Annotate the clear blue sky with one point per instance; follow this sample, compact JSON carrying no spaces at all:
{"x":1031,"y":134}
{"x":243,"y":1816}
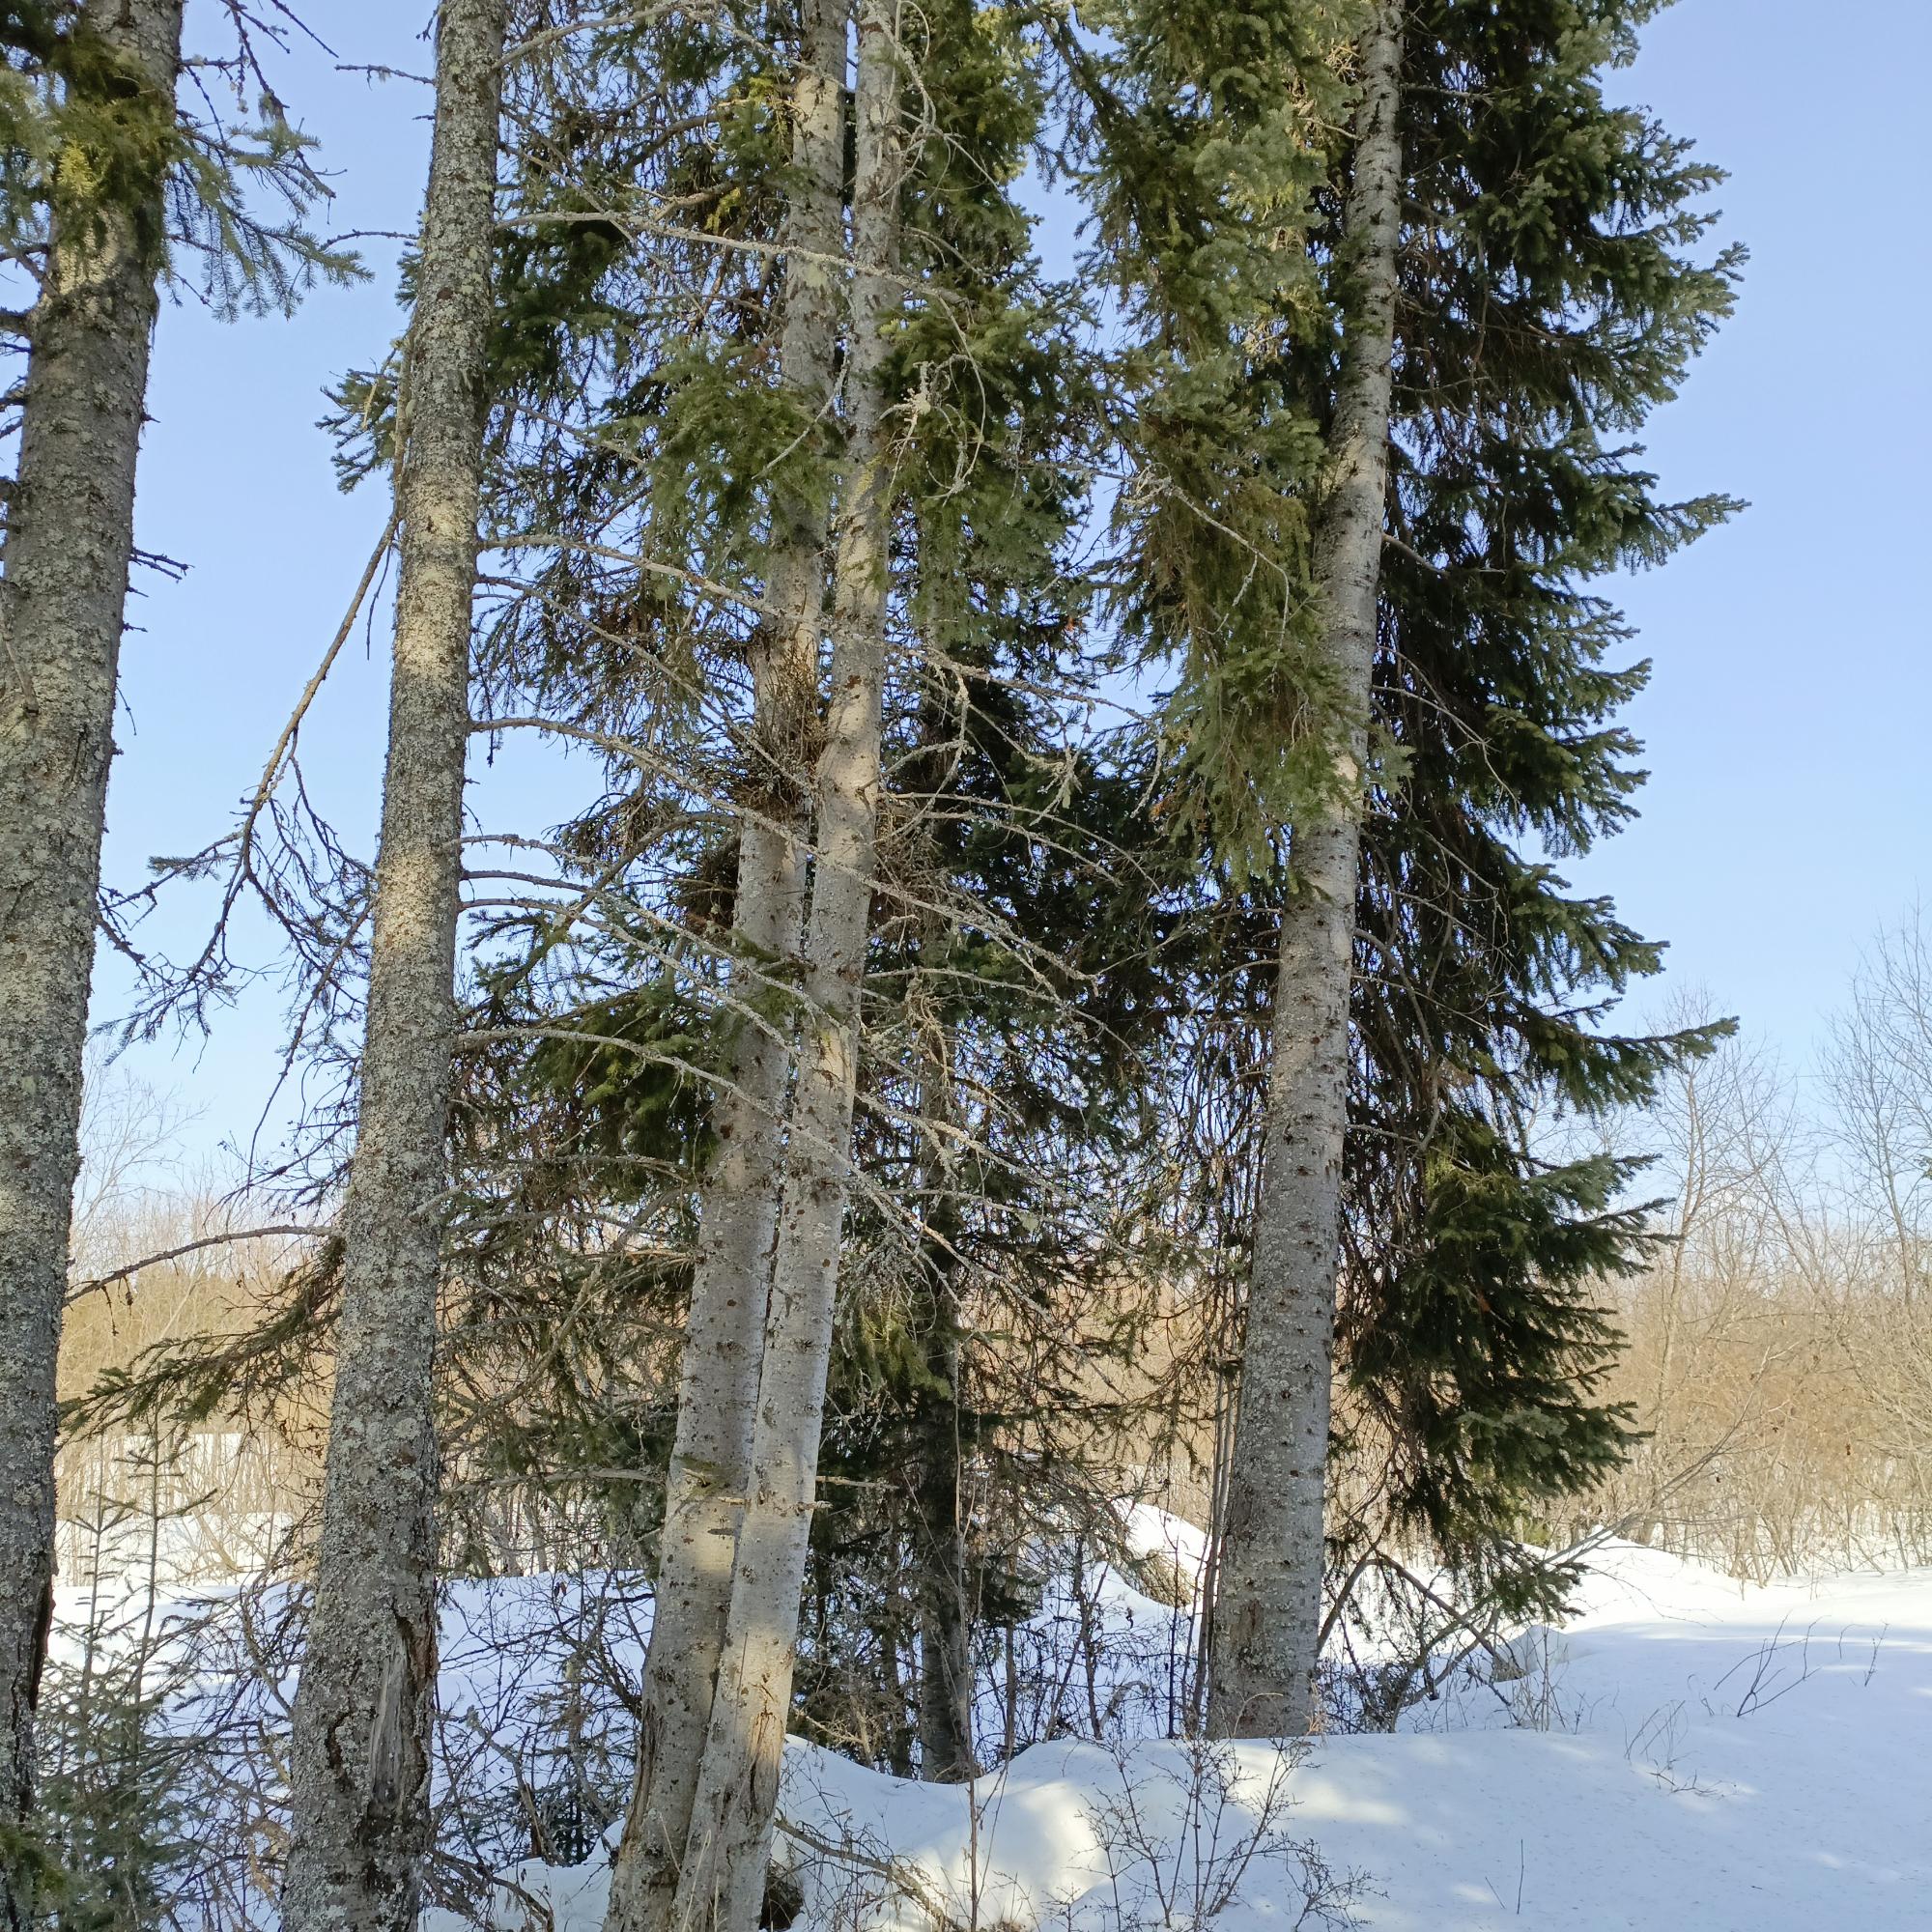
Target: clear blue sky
{"x":1790,"y":806}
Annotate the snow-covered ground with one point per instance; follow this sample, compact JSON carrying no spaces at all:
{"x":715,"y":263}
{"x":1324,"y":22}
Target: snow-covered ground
{"x":1686,"y":1754}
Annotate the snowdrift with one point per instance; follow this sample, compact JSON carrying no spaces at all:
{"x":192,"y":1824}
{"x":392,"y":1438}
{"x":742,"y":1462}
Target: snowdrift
{"x":1684,"y":1753}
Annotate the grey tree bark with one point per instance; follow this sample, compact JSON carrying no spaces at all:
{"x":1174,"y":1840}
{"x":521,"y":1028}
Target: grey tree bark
{"x":360,"y":1764}
{"x":728,"y":1845}
{"x":68,"y":543}
{"x":945,"y":1612}
{"x":1268,"y":1610}
{"x":940,"y":1553}
{"x":723,"y":1343}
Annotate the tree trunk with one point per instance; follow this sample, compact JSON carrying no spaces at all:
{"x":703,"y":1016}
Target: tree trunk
{"x":729,"y":1841}
{"x":724,"y":1344}
{"x":940,"y":1553}
{"x":945,"y":1614}
{"x":359,"y":1766}
{"x":70,"y":540}
{"x":1267,"y":1615}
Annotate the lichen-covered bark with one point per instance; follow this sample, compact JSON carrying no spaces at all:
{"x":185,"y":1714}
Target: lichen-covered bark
{"x":359,"y":1767}
{"x":728,"y":1844}
{"x":70,"y":540}
{"x":723,"y":1341}
{"x":1268,"y":1610}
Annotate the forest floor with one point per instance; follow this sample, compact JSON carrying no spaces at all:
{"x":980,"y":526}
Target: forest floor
{"x":1685,"y":1754}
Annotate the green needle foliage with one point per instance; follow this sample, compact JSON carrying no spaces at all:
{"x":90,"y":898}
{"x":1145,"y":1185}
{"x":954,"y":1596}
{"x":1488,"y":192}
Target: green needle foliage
{"x":80,"y":134}
{"x":1555,"y":284}
{"x":1198,"y":136}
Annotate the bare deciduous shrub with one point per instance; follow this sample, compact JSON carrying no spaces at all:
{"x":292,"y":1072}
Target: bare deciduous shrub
{"x":1193,"y":1829}
{"x":1779,"y":1355}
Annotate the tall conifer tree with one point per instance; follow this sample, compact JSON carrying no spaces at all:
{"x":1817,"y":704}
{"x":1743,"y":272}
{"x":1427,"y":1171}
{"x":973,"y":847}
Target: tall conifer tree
{"x":1268,"y":1612}
{"x":69,"y":543}
{"x":1554,"y":290}
{"x":992,"y":864}
{"x":102,"y":172}
{"x":1549,"y":296}
{"x":722,"y":1878}
{"x":711,"y":1469}
{"x":360,"y":1763}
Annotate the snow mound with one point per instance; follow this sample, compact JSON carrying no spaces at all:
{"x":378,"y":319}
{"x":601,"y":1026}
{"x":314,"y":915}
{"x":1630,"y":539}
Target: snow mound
{"x":1686,"y":1753}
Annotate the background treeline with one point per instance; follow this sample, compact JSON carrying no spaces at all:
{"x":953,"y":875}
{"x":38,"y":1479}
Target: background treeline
{"x":1775,"y":1356}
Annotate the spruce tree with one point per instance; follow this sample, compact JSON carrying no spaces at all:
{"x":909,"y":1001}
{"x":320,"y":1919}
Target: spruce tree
{"x":70,"y":544}
{"x":1555,"y":286}
{"x":1551,"y":292}
{"x":1202,"y":143}
{"x":710,"y":1470}
{"x":1195,"y":138}
{"x":988,"y":1054}
{"x":998,"y":1062}
{"x":721,"y":1881}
